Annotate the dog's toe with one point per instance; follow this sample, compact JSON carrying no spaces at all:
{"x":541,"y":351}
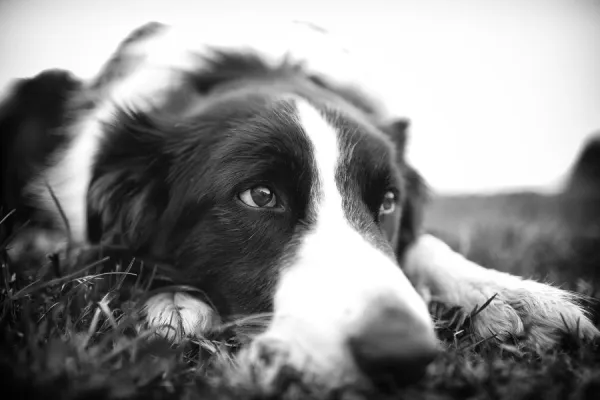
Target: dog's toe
{"x":540,"y":314}
{"x":497,"y":319}
{"x":175,"y":316}
{"x":551,"y":313}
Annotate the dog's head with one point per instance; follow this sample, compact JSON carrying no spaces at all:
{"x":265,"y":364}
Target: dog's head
{"x":267,"y":186}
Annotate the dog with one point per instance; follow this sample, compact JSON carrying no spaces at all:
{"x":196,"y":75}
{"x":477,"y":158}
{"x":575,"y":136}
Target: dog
{"x":273,"y":184}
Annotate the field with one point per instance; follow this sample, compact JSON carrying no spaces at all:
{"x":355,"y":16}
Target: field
{"x":70,"y":334}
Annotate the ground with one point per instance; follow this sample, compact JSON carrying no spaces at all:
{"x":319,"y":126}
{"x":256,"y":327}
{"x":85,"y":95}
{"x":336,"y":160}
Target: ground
{"x":69,"y":332}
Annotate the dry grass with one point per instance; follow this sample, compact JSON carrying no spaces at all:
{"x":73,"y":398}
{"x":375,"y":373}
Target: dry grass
{"x":69,"y":327}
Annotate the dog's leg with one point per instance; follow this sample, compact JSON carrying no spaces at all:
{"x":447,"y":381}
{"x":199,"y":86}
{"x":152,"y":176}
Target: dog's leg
{"x":545,"y":312}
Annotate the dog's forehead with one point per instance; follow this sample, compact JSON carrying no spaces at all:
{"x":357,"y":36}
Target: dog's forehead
{"x":269,"y":112}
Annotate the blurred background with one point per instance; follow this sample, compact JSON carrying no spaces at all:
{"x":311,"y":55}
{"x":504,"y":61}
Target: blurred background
{"x":501,"y":93}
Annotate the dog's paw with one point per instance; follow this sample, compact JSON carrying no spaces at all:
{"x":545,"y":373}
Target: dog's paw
{"x":499,"y":305}
{"x":539,"y":313}
{"x":177,"y":315}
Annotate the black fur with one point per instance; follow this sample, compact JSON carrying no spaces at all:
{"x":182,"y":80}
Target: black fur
{"x":167,"y":184}
{"x":170,"y":188}
{"x":415,"y":189}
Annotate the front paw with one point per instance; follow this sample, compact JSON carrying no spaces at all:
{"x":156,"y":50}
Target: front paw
{"x":543,"y":314}
{"x":538,"y":315}
{"x":496,"y":304}
{"x":177,"y":315}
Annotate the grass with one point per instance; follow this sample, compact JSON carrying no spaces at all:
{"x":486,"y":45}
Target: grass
{"x":69,"y":324}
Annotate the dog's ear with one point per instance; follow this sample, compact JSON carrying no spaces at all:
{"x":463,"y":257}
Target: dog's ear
{"x":125,"y":59}
{"x":397,"y":131}
{"x":413,"y":208}
{"x":128,"y":191}
{"x":415,"y":187}
{"x":30,"y":112}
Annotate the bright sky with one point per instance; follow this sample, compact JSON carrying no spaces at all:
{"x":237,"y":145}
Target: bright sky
{"x":501,"y":93}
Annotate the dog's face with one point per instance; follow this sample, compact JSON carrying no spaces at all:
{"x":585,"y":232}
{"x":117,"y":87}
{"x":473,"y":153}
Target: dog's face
{"x":269,"y":192}
{"x":231,"y":190}
{"x":271,"y":200}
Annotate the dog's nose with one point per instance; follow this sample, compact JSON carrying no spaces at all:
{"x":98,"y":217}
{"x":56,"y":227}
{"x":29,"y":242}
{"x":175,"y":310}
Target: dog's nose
{"x":392,"y":343}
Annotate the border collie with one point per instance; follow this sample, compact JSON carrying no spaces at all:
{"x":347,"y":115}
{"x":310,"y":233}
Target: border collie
{"x":270,"y":183}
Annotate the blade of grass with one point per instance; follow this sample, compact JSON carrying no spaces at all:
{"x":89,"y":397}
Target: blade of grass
{"x":32,"y":286}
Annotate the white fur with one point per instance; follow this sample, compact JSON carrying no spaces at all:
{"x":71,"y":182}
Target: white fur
{"x":338,"y":279}
{"x":179,"y":315}
{"x":443,"y":275}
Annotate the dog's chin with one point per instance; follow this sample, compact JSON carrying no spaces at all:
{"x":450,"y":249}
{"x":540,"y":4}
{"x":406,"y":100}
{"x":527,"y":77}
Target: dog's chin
{"x":274,"y":366}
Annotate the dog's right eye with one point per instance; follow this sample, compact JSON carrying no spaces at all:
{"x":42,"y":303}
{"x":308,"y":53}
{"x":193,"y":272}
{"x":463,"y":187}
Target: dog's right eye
{"x":259,"y":197}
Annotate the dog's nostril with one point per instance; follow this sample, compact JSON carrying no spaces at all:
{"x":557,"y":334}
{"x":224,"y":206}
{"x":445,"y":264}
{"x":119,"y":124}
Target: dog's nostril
{"x":394,"y":345}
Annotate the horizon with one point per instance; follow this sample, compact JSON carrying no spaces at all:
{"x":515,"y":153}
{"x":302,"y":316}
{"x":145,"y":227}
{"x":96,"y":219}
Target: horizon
{"x":523,"y":73}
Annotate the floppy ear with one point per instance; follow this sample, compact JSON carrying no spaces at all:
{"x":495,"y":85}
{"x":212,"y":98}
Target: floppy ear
{"x":30,"y":114}
{"x":128,"y":190}
{"x":397,"y":130}
{"x":413,"y":209}
{"x":416,"y":191}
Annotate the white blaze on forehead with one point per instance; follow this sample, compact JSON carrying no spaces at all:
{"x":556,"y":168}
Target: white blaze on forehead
{"x":325,"y":146}
{"x":338,"y":277}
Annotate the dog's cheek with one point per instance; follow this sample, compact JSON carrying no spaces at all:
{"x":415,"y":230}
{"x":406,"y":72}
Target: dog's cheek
{"x":234,"y":258}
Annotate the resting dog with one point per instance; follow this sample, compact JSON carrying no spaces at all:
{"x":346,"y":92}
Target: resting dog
{"x":271,"y":184}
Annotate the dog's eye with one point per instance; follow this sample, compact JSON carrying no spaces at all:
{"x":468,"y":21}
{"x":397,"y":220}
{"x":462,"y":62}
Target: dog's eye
{"x":259,"y":197}
{"x":388,"y":205}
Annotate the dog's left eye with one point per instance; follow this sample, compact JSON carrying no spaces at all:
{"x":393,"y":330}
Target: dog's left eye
{"x":259,"y":197}
{"x":388,"y":205}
